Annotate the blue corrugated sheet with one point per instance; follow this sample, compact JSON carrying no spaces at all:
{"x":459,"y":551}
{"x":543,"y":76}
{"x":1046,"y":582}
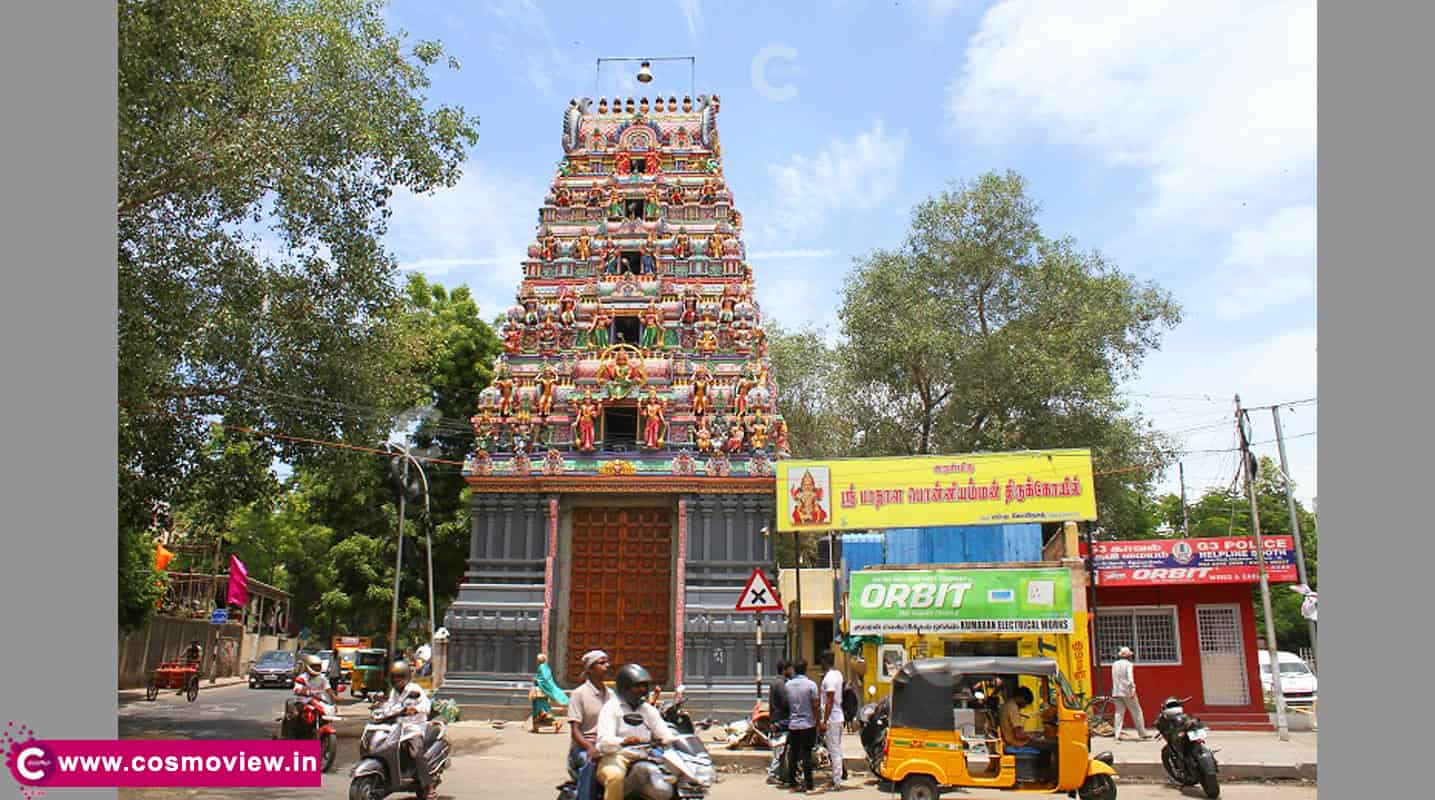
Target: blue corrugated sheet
{"x":861,"y":550}
{"x":968,"y":544}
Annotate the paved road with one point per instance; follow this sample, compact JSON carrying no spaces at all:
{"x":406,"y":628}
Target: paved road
{"x":488,"y":762}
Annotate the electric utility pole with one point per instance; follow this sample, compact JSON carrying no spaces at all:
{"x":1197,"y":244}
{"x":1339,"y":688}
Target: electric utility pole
{"x":1185,"y":518}
{"x":1248,"y":463}
{"x":1295,"y":521}
{"x":398,"y":567}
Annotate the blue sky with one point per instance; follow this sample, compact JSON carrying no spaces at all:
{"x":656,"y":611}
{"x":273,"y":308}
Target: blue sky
{"x":1178,"y":139}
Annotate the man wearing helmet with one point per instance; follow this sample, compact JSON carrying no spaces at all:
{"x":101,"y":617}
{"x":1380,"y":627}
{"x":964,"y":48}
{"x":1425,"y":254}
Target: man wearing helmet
{"x":404,"y":691}
{"x":310,"y":682}
{"x":633,"y":685}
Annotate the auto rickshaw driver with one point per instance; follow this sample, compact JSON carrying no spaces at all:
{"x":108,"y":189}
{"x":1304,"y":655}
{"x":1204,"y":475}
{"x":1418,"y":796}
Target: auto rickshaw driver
{"x":1015,"y":735}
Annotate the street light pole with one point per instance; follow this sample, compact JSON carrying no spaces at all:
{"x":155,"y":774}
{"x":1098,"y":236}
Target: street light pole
{"x":428,"y":541}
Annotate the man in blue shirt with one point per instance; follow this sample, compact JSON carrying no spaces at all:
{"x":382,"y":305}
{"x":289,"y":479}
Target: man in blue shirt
{"x":801,"y":723}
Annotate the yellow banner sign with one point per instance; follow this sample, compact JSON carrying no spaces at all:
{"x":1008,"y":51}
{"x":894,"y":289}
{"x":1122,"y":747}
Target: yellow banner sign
{"x":924,"y":491}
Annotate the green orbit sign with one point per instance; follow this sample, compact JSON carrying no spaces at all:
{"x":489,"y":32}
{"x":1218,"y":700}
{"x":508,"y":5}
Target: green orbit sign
{"x":971,"y":601}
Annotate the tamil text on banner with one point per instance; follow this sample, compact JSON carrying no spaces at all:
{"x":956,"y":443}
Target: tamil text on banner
{"x":960,"y":601}
{"x":923,"y":491}
{"x":1219,"y":559}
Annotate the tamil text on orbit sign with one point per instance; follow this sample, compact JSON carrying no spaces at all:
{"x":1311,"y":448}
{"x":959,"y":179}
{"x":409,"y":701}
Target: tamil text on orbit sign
{"x":924,"y":491}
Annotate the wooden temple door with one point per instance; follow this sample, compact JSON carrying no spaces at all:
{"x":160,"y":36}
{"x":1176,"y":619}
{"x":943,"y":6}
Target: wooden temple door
{"x":621,"y":599}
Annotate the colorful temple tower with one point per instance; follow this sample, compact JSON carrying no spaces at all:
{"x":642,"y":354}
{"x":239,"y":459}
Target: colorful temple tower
{"x":623,"y":474}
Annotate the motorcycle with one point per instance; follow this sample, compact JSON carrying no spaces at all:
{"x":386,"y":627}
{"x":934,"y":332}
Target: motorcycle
{"x":1185,"y":755}
{"x":874,"y":719}
{"x":384,"y":766}
{"x":676,"y":717}
{"x":679,"y":770}
{"x":308,"y":718}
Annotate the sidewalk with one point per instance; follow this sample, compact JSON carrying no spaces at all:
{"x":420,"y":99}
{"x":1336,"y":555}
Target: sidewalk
{"x":1241,"y":756}
{"x":138,"y":694}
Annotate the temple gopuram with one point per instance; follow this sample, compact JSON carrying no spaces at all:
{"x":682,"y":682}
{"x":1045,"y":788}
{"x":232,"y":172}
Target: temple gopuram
{"x":623,"y":469}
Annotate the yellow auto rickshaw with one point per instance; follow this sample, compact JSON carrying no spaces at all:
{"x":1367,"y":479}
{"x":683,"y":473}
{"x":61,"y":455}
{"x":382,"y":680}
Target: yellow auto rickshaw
{"x":370,"y":672}
{"x":944,"y":731}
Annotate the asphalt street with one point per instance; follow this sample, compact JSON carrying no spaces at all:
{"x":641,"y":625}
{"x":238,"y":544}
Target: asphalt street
{"x":505,"y":762}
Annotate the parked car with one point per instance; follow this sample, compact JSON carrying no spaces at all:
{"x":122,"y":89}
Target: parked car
{"x":274,"y":668}
{"x":1298,"y":683}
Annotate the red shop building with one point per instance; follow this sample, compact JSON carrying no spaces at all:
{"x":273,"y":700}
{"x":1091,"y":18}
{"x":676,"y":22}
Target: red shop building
{"x":1186,"y":608}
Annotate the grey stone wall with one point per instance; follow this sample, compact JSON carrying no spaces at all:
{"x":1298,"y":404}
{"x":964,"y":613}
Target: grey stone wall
{"x":496,"y":621}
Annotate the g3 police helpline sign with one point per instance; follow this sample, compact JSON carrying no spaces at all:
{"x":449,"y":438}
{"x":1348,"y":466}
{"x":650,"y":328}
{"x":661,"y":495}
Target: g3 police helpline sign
{"x":1217,"y":559}
{"x":960,"y":601}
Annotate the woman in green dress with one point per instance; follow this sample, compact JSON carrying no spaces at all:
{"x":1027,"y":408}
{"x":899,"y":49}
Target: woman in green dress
{"x":545,"y":689}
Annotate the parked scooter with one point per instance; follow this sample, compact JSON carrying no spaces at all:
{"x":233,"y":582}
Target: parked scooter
{"x":874,"y":718}
{"x":680,"y":770}
{"x":307,"y":718}
{"x":384,"y":765}
{"x":1185,"y":755}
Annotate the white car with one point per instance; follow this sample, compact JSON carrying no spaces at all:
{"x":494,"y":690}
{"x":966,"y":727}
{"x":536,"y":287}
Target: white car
{"x":1297,"y":681}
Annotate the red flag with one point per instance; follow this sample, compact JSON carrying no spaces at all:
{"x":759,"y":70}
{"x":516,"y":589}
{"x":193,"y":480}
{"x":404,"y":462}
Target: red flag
{"x":238,"y":582}
{"x":161,"y":557}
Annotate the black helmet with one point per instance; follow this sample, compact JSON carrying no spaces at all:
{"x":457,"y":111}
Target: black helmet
{"x":633,"y":683}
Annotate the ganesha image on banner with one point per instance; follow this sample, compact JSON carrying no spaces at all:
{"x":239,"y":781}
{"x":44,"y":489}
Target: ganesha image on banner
{"x":811,"y":495}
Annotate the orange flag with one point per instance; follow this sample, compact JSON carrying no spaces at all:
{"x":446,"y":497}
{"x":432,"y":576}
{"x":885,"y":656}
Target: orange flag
{"x":161,"y":557}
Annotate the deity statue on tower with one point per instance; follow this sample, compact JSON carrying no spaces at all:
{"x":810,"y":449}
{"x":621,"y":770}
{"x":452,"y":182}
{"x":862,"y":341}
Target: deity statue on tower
{"x":621,"y":374}
{"x":649,"y":254}
{"x":598,"y":328}
{"x":548,"y":335}
{"x":512,"y":339}
{"x":702,"y":378}
{"x":650,"y":203}
{"x":652,"y":319}
{"x":585,"y":418}
{"x":547,"y":380}
{"x":584,"y":247}
{"x":653,"y":420}
{"x":681,"y":248}
{"x":703,"y":436}
{"x":503,"y":382}
{"x":615,"y":203}
{"x":568,"y":310}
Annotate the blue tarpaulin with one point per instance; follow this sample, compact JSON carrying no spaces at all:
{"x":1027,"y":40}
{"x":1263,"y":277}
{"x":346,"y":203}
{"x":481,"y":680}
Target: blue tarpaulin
{"x":967,"y":544}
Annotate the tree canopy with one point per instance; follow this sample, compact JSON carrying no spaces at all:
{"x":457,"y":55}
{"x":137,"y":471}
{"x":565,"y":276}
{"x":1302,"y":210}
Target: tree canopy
{"x":983,"y":333}
{"x":259,"y":144}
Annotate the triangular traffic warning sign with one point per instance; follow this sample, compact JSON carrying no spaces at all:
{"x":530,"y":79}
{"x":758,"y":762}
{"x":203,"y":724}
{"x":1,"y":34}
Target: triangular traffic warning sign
{"x":758,"y":594}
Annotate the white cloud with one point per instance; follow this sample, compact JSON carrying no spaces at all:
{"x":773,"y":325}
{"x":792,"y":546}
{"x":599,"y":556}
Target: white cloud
{"x":1267,"y":266}
{"x":1216,"y":99}
{"x":477,"y":232}
{"x":692,"y":15}
{"x":1289,"y":233}
{"x":521,"y":37}
{"x":940,"y":10}
{"x":845,"y":175}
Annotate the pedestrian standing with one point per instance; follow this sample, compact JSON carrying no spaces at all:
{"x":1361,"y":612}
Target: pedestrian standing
{"x":832,"y":717}
{"x":1123,"y":693}
{"x":778,"y":712}
{"x":802,"y":706}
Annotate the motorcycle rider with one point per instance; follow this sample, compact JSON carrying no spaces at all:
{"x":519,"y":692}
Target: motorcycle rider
{"x":403,"y":690}
{"x":633,"y":685}
{"x":585,"y":704}
{"x":310,"y":682}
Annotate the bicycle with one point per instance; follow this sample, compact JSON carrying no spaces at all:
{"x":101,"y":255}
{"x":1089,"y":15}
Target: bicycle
{"x":1101,"y":716}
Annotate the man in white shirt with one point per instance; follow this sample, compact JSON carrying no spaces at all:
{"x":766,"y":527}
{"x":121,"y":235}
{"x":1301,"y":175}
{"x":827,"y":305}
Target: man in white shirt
{"x":1123,"y":693}
{"x":633,"y":685}
{"x":403,"y":690}
{"x":832,"y":719}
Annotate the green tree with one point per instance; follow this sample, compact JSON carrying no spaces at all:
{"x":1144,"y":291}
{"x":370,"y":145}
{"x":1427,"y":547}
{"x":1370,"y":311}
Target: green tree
{"x":806,"y":370}
{"x":983,"y":333}
{"x":1227,"y":512}
{"x":259,"y":144}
